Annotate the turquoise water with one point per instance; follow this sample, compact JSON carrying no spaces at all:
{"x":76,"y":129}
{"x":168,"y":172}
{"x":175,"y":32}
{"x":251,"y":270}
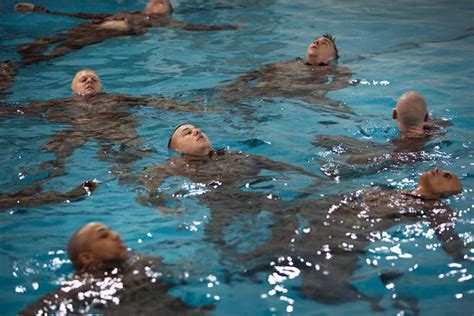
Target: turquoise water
{"x":425,"y":46}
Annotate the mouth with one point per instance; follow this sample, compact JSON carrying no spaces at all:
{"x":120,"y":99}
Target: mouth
{"x":199,"y":138}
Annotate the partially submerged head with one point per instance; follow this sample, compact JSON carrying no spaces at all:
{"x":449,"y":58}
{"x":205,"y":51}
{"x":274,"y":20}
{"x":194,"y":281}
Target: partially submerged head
{"x":188,"y":139}
{"x":437,"y":183}
{"x":86,"y":81}
{"x":411,"y":113}
{"x":155,"y":7}
{"x":322,"y":50}
{"x":94,"y":246}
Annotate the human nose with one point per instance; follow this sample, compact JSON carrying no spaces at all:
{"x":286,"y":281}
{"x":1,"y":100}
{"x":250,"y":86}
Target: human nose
{"x":89,"y":80}
{"x":196,"y":131}
{"x":115,"y":235}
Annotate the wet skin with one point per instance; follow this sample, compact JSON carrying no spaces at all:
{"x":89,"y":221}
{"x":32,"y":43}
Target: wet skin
{"x":223,"y":176}
{"x":295,"y":80}
{"x":356,"y":157}
{"x":338,"y":230}
{"x":101,"y":28}
{"x":96,"y":116}
{"x":127,"y":283}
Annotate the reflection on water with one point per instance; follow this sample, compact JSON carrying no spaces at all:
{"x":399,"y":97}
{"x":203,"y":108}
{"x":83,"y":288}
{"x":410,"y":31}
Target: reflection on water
{"x":251,"y":242}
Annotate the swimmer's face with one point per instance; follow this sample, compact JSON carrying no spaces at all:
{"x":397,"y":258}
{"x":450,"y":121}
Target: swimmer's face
{"x":440,"y":182}
{"x":188,"y":139}
{"x":86,"y":82}
{"x":322,"y":50}
{"x":101,"y":245}
{"x":158,"y":7}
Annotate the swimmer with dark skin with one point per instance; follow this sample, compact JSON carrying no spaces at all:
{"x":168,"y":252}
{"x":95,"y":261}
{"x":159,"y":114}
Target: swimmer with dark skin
{"x":110,"y":278}
{"x":337,"y":230}
{"x":103,"y":27}
{"x":416,"y":130}
{"x":94,"y":115}
{"x":307,"y":80}
{"x":35,"y":197}
{"x":7,"y":75}
{"x":226,"y":178}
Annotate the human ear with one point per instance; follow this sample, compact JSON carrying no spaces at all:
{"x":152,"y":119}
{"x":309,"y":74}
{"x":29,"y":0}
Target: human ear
{"x":394,"y":114}
{"x":426,"y":117}
{"x":86,"y":258}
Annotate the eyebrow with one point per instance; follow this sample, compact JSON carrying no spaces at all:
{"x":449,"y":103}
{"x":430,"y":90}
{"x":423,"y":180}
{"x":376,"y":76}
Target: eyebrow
{"x":101,"y":229}
{"x":184,"y":129}
{"x":326,"y":40}
{"x":448,"y":175}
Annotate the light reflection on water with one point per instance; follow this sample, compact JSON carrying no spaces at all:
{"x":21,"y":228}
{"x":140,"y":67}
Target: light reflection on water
{"x":406,"y":58}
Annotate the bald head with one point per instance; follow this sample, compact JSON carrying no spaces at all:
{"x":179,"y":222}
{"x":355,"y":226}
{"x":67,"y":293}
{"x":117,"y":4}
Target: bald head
{"x":78,"y":244}
{"x":411,"y":113}
{"x":93,"y":245}
{"x":161,"y":7}
{"x":86,"y":81}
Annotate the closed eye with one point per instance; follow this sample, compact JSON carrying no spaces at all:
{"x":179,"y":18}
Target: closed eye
{"x":448,"y":176}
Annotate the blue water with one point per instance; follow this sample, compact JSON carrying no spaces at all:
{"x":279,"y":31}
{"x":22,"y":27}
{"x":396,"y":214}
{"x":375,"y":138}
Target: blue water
{"x":424,"y":45}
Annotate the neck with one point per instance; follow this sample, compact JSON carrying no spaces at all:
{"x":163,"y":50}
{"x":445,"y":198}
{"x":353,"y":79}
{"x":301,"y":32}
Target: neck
{"x":100,"y":269}
{"x":198,"y":157}
{"x":315,"y":61}
{"x":411,"y":131}
{"x":424,"y":194}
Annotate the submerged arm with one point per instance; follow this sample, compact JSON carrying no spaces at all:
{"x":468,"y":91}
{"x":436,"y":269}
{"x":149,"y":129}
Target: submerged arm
{"x":159,"y":103}
{"x":269,"y":164}
{"x":26,"y":6}
{"x":443,"y":225}
{"x":32,"y":109}
{"x":35,"y":198}
{"x":52,"y":301}
{"x":150,"y":178}
{"x":340,"y":79}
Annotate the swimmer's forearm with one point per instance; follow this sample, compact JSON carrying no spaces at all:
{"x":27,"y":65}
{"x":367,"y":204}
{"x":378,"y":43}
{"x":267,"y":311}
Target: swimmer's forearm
{"x":172,"y":105}
{"x":25,"y":6}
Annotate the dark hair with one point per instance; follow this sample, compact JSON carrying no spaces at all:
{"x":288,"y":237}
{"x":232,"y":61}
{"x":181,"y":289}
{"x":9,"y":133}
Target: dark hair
{"x":333,"y":40}
{"x":174,"y":131}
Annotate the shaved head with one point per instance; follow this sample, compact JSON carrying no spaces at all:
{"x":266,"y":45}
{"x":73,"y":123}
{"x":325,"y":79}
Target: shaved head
{"x":86,"y":81}
{"x":93,"y":246}
{"x":161,"y":7}
{"x":78,"y":243}
{"x":411,"y":112}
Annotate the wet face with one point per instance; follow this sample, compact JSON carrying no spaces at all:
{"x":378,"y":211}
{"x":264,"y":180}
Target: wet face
{"x":321,"y":51}
{"x":86,"y":82}
{"x":188,"y":139}
{"x":101,"y":244}
{"x":440,"y":182}
{"x":161,"y":7}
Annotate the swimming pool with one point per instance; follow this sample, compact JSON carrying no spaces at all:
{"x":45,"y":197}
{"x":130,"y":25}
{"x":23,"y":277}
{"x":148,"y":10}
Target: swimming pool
{"x":390,"y":46}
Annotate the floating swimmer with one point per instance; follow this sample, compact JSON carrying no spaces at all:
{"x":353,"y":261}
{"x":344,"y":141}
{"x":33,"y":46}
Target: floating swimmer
{"x":94,"y":115}
{"x":416,"y":130}
{"x":327,"y":239}
{"x":113,"y":280}
{"x":308,"y":80}
{"x":103,"y":27}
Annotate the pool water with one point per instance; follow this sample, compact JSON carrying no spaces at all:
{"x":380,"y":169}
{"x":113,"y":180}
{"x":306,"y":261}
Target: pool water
{"x":391,"y":47}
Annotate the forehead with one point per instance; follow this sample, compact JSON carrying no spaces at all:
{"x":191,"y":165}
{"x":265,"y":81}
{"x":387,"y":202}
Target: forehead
{"x":91,"y":228}
{"x":86,"y":73}
{"x":180,"y":129}
{"x":325,"y":39}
